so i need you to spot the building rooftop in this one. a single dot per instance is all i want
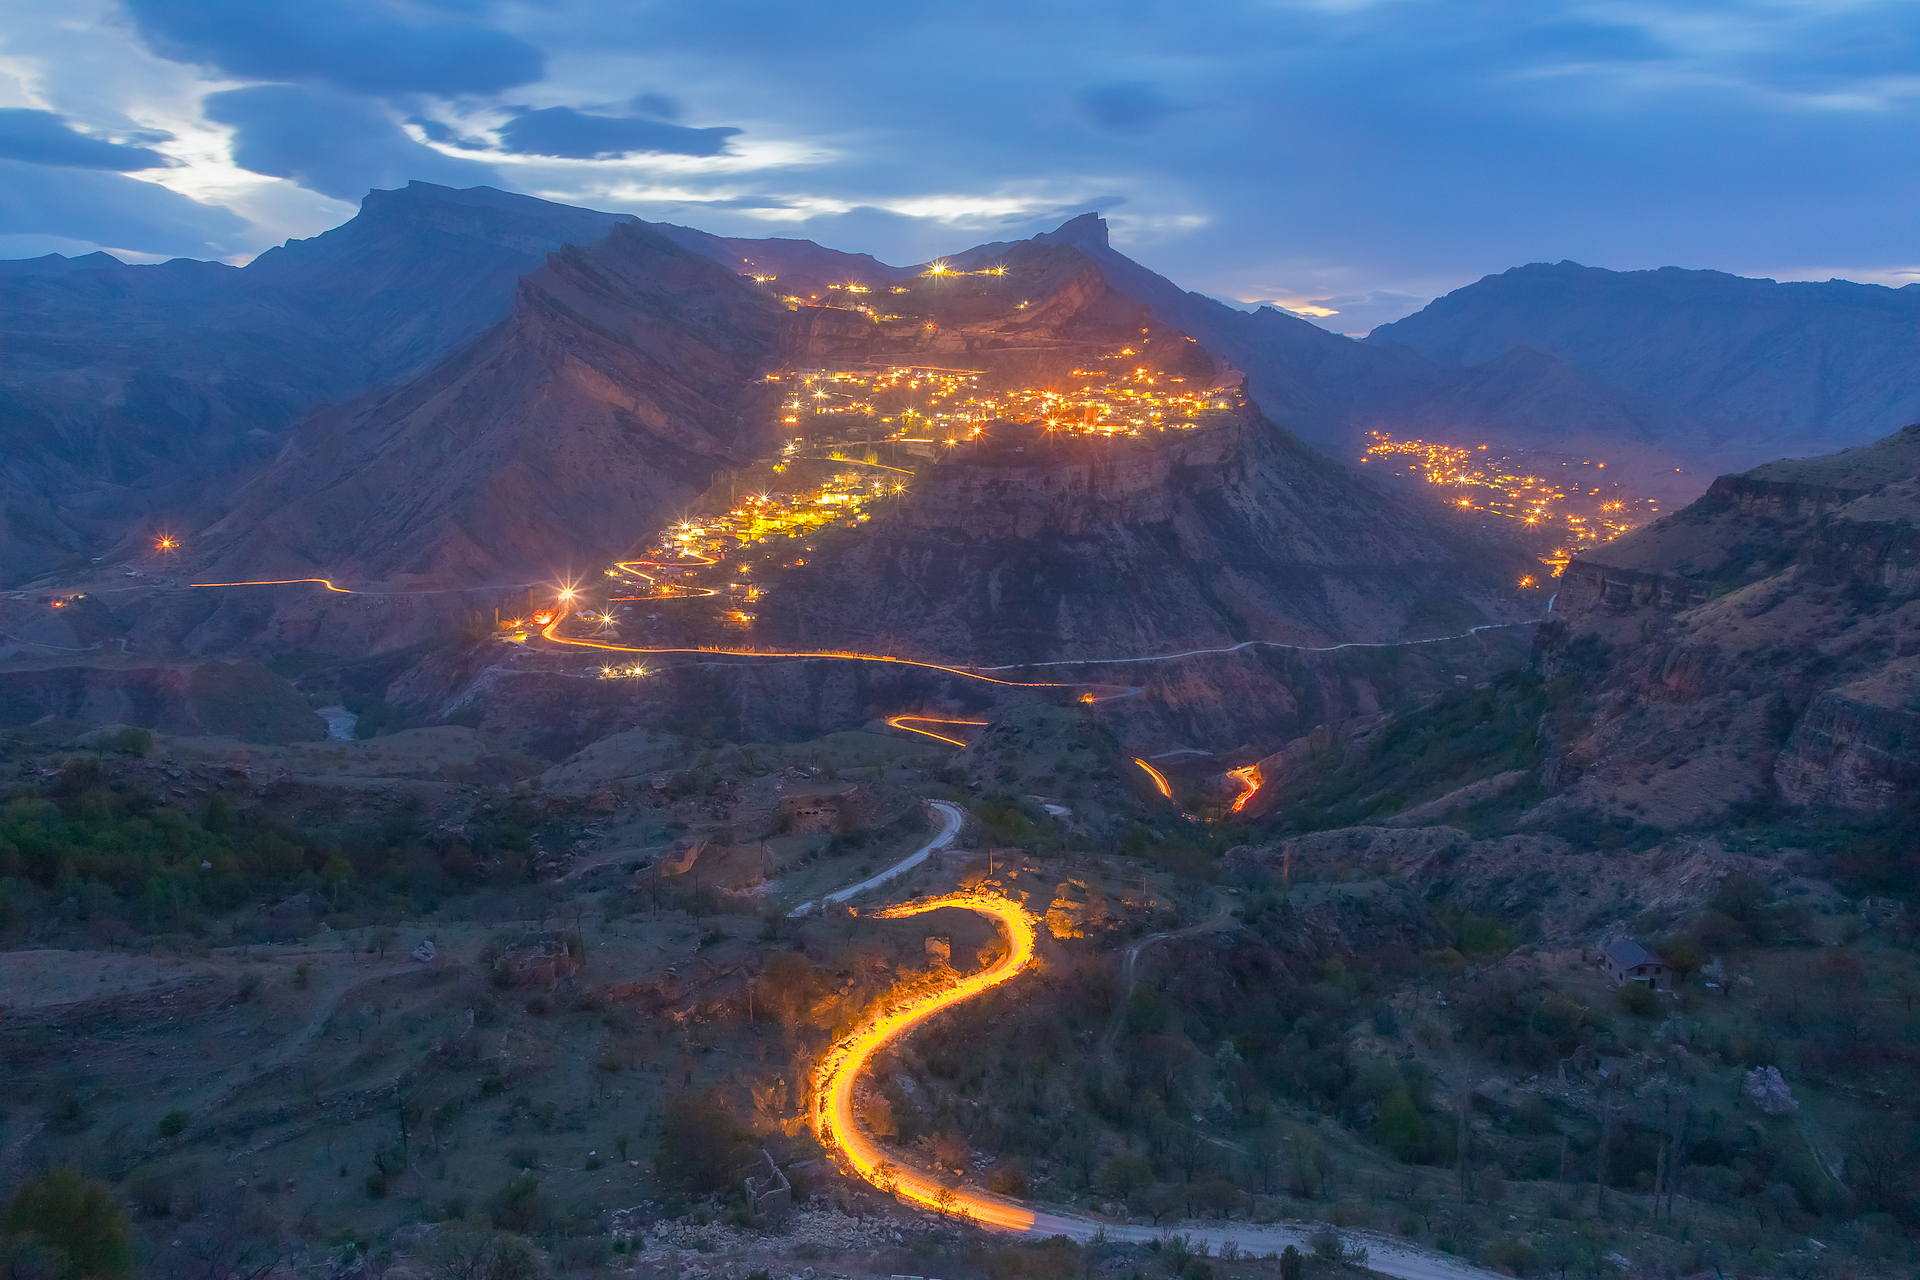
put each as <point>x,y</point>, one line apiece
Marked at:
<point>1626,953</point>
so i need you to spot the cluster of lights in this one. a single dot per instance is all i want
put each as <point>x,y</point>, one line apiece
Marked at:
<point>917,404</point>
<point>1587,514</point>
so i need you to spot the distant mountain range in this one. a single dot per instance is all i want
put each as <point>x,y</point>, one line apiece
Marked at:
<point>1748,368</point>
<point>137,396</point>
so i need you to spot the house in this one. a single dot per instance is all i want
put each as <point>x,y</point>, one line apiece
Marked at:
<point>1625,960</point>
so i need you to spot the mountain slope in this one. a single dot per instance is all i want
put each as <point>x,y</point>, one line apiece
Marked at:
<point>1762,367</point>
<point>622,379</point>
<point>131,395</point>
<point>1763,644</point>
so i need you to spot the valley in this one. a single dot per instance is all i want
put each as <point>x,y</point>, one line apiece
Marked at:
<point>756,762</point>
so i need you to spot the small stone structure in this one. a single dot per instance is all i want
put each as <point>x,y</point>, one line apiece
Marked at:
<point>1625,960</point>
<point>768,1190</point>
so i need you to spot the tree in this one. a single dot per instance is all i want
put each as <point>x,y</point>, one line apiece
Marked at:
<point>1400,1128</point>
<point>75,1224</point>
<point>700,1146</point>
<point>1123,1174</point>
<point>1290,1267</point>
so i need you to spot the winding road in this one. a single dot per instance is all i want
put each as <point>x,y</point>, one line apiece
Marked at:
<point>951,818</point>
<point>830,1114</point>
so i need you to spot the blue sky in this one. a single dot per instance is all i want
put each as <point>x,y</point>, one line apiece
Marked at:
<point>1351,157</point>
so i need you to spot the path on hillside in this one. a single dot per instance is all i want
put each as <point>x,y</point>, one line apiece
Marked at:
<point>1385,1254</point>
<point>1219,920</point>
<point>951,819</point>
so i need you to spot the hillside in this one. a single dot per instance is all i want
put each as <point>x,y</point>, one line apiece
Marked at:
<point>1754,367</point>
<point>134,397</point>
<point>631,361</point>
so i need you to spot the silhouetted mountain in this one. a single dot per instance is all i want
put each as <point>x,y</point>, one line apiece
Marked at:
<point>137,393</point>
<point>798,266</point>
<point>59,264</point>
<point>1745,368</point>
<point>1331,391</point>
<point>617,386</point>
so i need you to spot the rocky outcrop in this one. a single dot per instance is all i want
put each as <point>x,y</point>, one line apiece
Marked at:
<point>1760,641</point>
<point>1850,754</point>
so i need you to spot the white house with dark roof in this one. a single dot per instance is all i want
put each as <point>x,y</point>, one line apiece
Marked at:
<point>1625,960</point>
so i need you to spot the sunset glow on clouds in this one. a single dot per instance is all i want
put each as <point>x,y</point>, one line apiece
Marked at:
<point>1352,159</point>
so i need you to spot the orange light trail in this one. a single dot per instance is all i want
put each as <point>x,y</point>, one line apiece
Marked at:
<point>672,591</point>
<point>547,633</point>
<point>830,1111</point>
<point>695,563</point>
<point>1159,778</point>
<point>277,582</point>
<point>896,723</point>
<point>1250,779</point>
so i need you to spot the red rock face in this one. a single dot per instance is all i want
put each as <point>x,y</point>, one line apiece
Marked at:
<point>1763,638</point>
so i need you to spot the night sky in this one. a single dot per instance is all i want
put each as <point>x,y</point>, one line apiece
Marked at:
<point>1345,157</point>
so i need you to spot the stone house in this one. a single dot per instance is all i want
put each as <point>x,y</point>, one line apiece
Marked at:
<point>1625,960</point>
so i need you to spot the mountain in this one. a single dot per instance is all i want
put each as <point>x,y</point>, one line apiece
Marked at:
<point>624,376</point>
<point>1742,368</point>
<point>59,264</point>
<point>132,396</point>
<point>1331,391</point>
<point>1755,648</point>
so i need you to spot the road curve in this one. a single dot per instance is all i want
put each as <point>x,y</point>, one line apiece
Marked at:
<point>1385,1254</point>
<point>830,1114</point>
<point>951,817</point>
<point>830,1109</point>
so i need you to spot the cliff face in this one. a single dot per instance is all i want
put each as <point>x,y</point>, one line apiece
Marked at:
<point>1024,545</point>
<point>1760,643</point>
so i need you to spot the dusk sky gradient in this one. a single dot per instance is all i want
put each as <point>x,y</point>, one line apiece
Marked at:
<point>1353,157</point>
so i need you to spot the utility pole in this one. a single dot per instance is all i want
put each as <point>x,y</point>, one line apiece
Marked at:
<point>1606,1140</point>
<point>1462,1138</point>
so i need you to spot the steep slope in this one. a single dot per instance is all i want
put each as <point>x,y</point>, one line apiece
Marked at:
<point>623,378</point>
<point>1761,645</point>
<point>799,266</point>
<point>1026,541</point>
<point>1330,391</point>
<point>1761,367</point>
<point>131,395</point>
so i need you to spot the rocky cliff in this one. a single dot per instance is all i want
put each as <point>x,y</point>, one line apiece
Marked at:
<point>1759,643</point>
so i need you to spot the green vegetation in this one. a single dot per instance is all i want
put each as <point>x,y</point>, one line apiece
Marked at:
<point>67,1227</point>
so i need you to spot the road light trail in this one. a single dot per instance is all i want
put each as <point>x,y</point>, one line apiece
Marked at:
<point>1159,778</point>
<point>351,591</point>
<point>279,582</point>
<point>1251,780</point>
<point>548,632</point>
<point>830,1111</point>
<point>897,722</point>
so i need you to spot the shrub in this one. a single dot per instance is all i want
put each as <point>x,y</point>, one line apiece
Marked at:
<point>1638,999</point>
<point>76,1224</point>
<point>171,1124</point>
<point>700,1145</point>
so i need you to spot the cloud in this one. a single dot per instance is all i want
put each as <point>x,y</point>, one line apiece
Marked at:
<point>363,45</point>
<point>574,135</point>
<point>89,206</point>
<point>1133,107</point>
<point>42,137</point>
<point>332,143</point>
